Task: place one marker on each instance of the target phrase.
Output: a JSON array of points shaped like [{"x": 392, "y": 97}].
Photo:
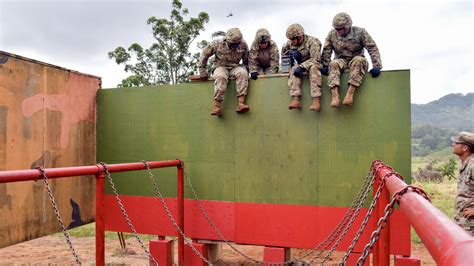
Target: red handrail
[
  {"x": 447, "y": 242},
  {"x": 98, "y": 171}
]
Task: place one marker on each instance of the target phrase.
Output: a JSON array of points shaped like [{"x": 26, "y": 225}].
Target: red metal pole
[
  {"x": 33, "y": 174},
  {"x": 384, "y": 239},
  {"x": 447, "y": 243},
  {"x": 376, "y": 250},
  {"x": 181, "y": 214},
  {"x": 99, "y": 220}
]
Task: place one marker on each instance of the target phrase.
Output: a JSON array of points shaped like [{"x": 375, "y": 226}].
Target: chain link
[
  {"x": 122, "y": 209},
  {"x": 168, "y": 212},
  {"x": 365, "y": 221},
  {"x": 58, "y": 216},
  {"x": 353, "y": 216}
]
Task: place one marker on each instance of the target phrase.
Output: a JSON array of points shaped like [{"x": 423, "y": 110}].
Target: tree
[
  {"x": 448, "y": 169},
  {"x": 168, "y": 60}
]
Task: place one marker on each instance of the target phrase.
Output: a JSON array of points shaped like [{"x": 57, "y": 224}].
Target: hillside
[{"x": 453, "y": 111}]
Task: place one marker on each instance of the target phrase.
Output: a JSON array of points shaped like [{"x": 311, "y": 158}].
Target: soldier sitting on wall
[
  {"x": 228, "y": 52},
  {"x": 264, "y": 55},
  {"x": 348, "y": 43}
]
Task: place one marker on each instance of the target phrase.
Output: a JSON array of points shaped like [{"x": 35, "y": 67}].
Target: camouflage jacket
[
  {"x": 350, "y": 46},
  {"x": 264, "y": 58},
  {"x": 465, "y": 195},
  {"x": 224, "y": 56},
  {"x": 309, "y": 49}
]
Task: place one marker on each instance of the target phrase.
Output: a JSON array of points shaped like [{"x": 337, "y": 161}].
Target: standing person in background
[{"x": 463, "y": 147}]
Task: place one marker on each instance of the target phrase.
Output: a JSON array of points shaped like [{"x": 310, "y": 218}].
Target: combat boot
[
  {"x": 348, "y": 100},
  {"x": 335, "y": 102},
  {"x": 217, "y": 108},
  {"x": 295, "y": 103},
  {"x": 316, "y": 105},
  {"x": 242, "y": 107}
]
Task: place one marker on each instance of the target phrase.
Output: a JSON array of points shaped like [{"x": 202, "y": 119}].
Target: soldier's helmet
[
  {"x": 294, "y": 30},
  {"x": 262, "y": 36},
  {"x": 233, "y": 35},
  {"x": 342, "y": 20}
]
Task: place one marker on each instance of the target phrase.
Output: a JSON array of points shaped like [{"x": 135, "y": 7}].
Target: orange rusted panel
[{"x": 47, "y": 119}]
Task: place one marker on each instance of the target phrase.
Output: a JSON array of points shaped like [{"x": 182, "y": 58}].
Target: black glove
[
  {"x": 375, "y": 72},
  {"x": 254, "y": 75},
  {"x": 298, "y": 72},
  {"x": 296, "y": 55},
  {"x": 325, "y": 70}
]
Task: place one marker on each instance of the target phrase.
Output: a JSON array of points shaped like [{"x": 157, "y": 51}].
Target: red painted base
[
  {"x": 191, "y": 258},
  {"x": 162, "y": 251},
  {"x": 276, "y": 255},
  {"x": 293, "y": 226},
  {"x": 407, "y": 261}
]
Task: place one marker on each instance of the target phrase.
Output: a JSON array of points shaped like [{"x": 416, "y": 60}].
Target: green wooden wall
[{"x": 269, "y": 155}]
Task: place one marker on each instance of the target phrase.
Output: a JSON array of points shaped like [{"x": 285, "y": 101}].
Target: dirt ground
[{"x": 52, "y": 250}]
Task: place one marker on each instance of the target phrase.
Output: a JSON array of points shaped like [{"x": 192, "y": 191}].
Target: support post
[
  {"x": 99, "y": 220},
  {"x": 181, "y": 213}
]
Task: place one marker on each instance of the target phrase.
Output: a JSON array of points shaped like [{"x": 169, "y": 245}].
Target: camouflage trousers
[
  {"x": 221, "y": 77},
  {"x": 315, "y": 80},
  {"x": 357, "y": 68},
  {"x": 264, "y": 71},
  {"x": 466, "y": 223}
]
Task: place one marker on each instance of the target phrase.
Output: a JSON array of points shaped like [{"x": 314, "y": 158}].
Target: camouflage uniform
[
  {"x": 465, "y": 195},
  {"x": 349, "y": 52},
  {"x": 227, "y": 63},
  {"x": 310, "y": 50},
  {"x": 264, "y": 61}
]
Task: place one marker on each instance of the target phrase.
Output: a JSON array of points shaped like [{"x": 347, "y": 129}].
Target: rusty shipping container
[{"x": 47, "y": 119}]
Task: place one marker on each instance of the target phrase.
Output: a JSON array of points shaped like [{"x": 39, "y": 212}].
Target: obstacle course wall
[
  {"x": 271, "y": 176},
  {"x": 47, "y": 119}
]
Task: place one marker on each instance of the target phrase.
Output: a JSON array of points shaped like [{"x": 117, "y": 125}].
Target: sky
[{"x": 432, "y": 38}]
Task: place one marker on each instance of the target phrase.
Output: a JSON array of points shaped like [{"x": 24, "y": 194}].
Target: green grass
[
  {"x": 88, "y": 230},
  {"x": 442, "y": 197}
]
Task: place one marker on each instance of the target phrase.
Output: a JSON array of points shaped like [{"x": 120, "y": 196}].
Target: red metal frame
[
  {"x": 447, "y": 242},
  {"x": 98, "y": 171}
]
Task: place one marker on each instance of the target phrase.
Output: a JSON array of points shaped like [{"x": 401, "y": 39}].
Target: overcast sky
[{"x": 434, "y": 39}]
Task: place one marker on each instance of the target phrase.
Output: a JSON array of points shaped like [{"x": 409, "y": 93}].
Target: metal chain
[
  {"x": 168, "y": 212},
  {"x": 384, "y": 220},
  {"x": 58, "y": 216},
  {"x": 352, "y": 219},
  {"x": 122, "y": 209},
  {"x": 365, "y": 221}
]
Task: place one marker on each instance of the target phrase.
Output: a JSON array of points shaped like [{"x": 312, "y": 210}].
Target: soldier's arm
[
  {"x": 245, "y": 56},
  {"x": 207, "y": 52},
  {"x": 253, "y": 57},
  {"x": 274, "y": 58},
  {"x": 327, "y": 51},
  {"x": 372, "y": 49},
  {"x": 285, "y": 50},
  {"x": 314, "y": 55}
]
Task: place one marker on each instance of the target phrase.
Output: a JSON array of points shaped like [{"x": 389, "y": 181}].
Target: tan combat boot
[
  {"x": 242, "y": 107},
  {"x": 295, "y": 103},
  {"x": 335, "y": 102},
  {"x": 316, "y": 105},
  {"x": 348, "y": 100},
  {"x": 217, "y": 108}
]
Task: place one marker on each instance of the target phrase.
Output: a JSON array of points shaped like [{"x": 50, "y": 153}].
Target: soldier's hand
[
  {"x": 254, "y": 75},
  {"x": 203, "y": 75},
  {"x": 325, "y": 70},
  {"x": 375, "y": 72},
  {"x": 298, "y": 72},
  {"x": 296, "y": 55},
  {"x": 468, "y": 212}
]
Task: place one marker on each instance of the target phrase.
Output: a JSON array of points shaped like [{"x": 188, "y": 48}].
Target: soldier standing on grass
[
  {"x": 348, "y": 43},
  {"x": 228, "y": 53},
  {"x": 264, "y": 55},
  {"x": 305, "y": 53},
  {"x": 463, "y": 147}
]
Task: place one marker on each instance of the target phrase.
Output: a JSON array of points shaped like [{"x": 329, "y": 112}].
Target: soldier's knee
[{"x": 333, "y": 64}]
